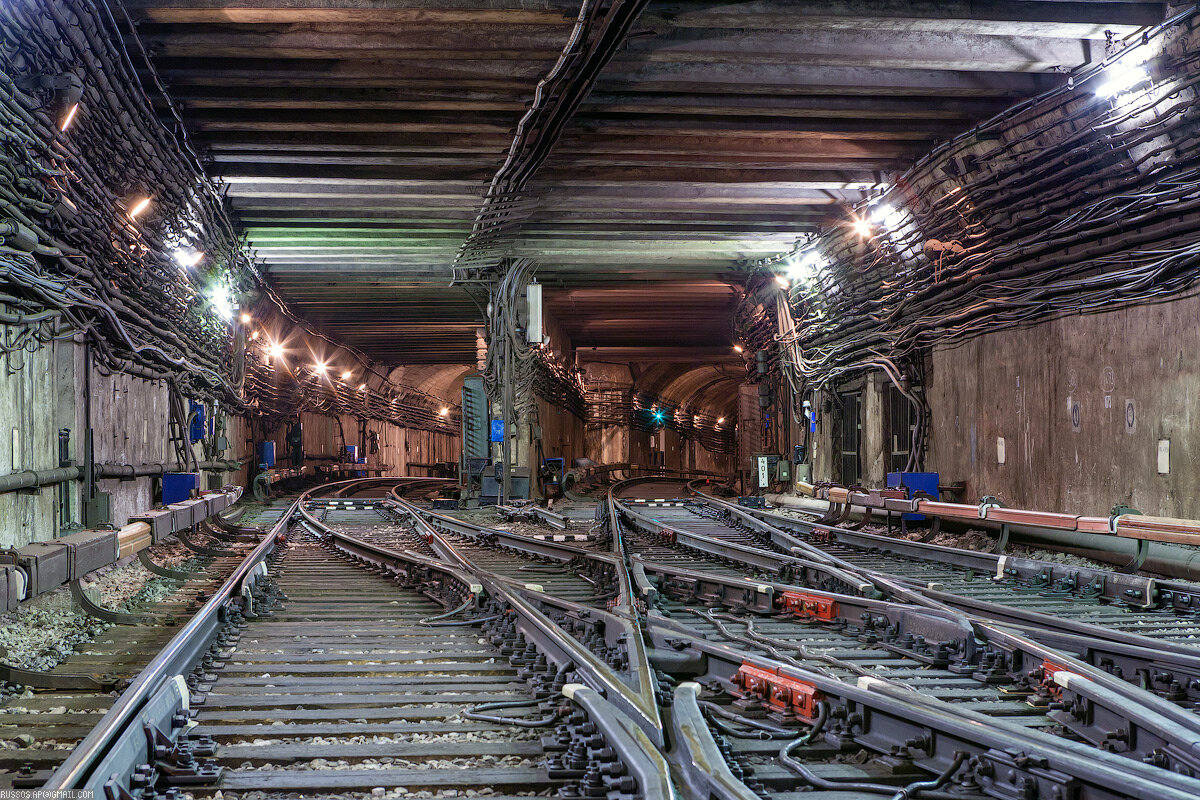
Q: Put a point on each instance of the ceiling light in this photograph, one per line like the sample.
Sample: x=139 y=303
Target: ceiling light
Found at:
x=862 y=227
x=70 y=116
x=782 y=281
x=275 y=350
x=188 y=258
x=737 y=348
x=320 y=367
x=720 y=420
x=444 y=411
x=346 y=375
x=218 y=295
x=246 y=318
x=138 y=207
x=1127 y=72
x=1121 y=80
x=362 y=387
x=253 y=335
x=803 y=267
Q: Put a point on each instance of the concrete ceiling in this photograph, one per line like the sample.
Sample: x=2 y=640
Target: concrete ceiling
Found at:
x=358 y=138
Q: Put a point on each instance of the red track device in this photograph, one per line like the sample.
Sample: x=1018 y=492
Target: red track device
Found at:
x=1049 y=669
x=809 y=606
x=784 y=695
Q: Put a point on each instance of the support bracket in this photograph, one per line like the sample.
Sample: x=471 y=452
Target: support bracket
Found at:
x=107 y=614
x=199 y=548
x=58 y=680
x=161 y=571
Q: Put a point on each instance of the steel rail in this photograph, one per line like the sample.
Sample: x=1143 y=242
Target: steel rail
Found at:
x=761 y=559
x=638 y=699
x=1140 y=658
x=876 y=715
x=1115 y=702
x=1174 y=728
x=178 y=656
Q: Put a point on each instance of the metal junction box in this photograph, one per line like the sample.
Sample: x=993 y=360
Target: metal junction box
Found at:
x=178 y=486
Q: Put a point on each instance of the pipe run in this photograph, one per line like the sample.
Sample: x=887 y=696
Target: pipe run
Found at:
x=1172 y=560
x=143 y=470
x=37 y=478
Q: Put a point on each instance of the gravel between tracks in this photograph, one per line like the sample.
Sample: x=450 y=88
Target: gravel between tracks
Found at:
x=44 y=631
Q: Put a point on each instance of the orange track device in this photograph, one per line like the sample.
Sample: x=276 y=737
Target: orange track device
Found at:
x=781 y=694
x=809 y=606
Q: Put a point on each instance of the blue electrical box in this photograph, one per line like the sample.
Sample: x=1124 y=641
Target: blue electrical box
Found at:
x=925 y=482
x=361 y=473
x=196 y=412
x=498 y=430
x=352 y=454
x=266 y=454
x=178 y=486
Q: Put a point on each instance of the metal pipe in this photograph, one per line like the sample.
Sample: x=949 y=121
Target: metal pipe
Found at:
x=1175 y=561
x=34 y=478
x=109 y=470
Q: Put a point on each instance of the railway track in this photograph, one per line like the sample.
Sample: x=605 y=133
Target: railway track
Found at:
x=383 y=649
x=346 y=687
x=59 y=707
x=1136 y=627
x=331 y=665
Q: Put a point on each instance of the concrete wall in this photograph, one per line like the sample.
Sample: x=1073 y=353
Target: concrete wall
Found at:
x=129 y=419
x=32 y=387
x=46 y=390
x=1056 y=394
x=400 y=449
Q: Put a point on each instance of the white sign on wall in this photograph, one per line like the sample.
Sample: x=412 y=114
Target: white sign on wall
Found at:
x=764 y=473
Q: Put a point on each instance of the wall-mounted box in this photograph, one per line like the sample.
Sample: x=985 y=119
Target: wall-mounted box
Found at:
x=178 y=486
x=98 y=510
x=266 y=454
x=926 y=482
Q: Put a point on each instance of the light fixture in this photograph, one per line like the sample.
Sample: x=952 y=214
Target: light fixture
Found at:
x=887 y=216
x=275 y=350
x=221 y=302
x=804 y=266
x=188 y=258
x=253 y=335
x=862 y=227
x=720 y=420
x=362 y=387
x=782 y=281
x=737 y=348
x=138 y=207
x=71 y=112
x=245 y=318
x=1126 y=73
x=444 y=411
x=346 y=375
x=320 y=367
